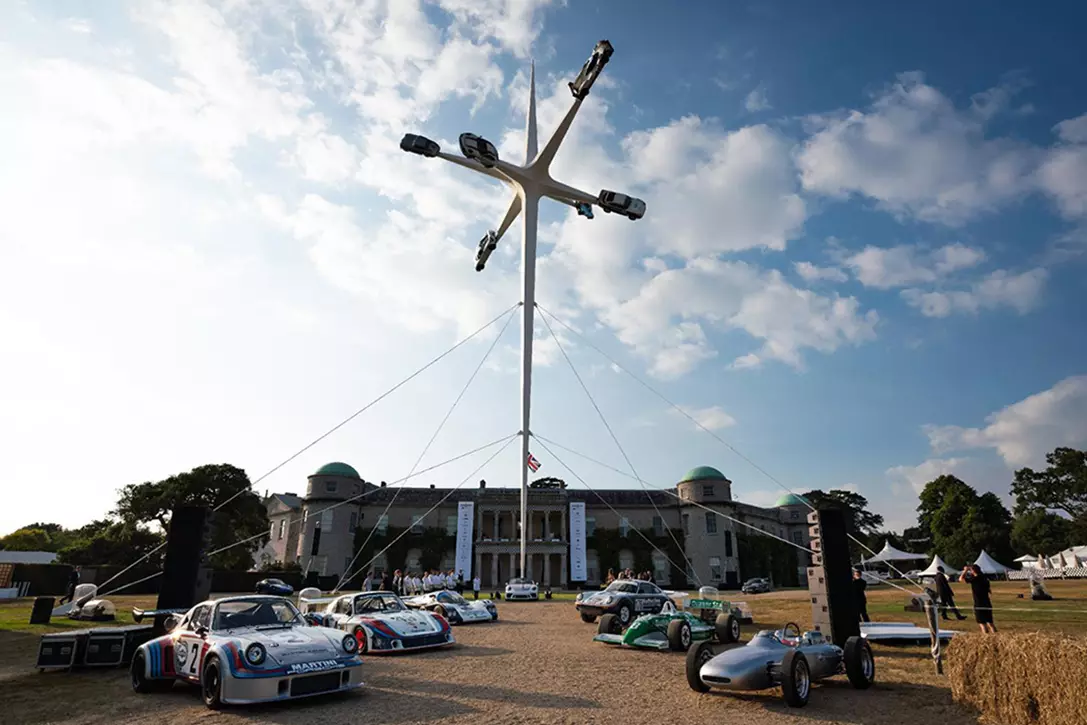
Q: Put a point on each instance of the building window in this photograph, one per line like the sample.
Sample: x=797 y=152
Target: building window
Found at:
x=590 y=525
x=781 y=532
x=658 y=526
x=728 y=544
x=685 y=522
x=707 y=490
x=330 y=486
x=798 y=537
x=624 y=528
x=715 y=569
x=347 y=566
x=711 y=522
x=416 y=523
x=353 y=523
x=451 y=525
x=794 y=515
x=626 y=559
x=273 y=531
x=383 y=525
x=662 y=572
x=305 y=515
x=282 y=527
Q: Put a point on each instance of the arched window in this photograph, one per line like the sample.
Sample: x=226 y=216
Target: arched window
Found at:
x=626 y=559
x=662 y=570
x=412 y=563
x=449 y=560
x=592 y=566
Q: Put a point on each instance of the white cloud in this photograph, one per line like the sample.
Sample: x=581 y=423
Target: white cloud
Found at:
x=1023 y=432
x=884 y=268
x=756 y=100
x=1063 y=174
x=915 y=154
x=917 y=476
x=513 y=23
x=812 y=273
x=713 y=417
x=1021 y=292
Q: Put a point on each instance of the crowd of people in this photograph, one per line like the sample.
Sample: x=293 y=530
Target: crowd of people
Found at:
x=411 y=583
x=627 y=574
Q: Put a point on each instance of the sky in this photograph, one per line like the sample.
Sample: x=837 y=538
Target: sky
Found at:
x=861 y=266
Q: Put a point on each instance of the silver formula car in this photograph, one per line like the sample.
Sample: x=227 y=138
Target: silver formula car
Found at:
x=246 y=649
x=454 y=607
x=786 y=658
x=382 y=623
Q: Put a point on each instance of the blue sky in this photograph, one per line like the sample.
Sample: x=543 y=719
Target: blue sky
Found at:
x=862 y=263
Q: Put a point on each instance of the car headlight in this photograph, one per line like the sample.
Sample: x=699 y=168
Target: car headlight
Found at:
x=350 y=645
x=254 y=653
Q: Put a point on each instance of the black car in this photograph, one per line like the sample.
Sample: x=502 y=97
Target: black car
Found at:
x=274 y=586
x=625 y=598
x=419 y=145
x=593 y=66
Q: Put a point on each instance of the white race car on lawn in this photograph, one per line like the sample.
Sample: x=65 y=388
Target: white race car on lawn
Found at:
x=522 y=589
x=454 y=607
x=381 y=622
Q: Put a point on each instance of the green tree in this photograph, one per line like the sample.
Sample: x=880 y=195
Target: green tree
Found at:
x=242 y=516
x=1041 y=532
x=109 y=542
x=29 y=540
x=961 y=523
x=1061 y=486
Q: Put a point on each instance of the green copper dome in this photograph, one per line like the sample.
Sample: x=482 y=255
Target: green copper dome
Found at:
x=791 y=499
x=337 y=469
x=703 y=473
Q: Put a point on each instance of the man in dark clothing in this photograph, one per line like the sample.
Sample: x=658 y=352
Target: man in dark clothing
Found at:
x=398 y=583
x=859 y=585
x=983 y=604
x=73 y=582
x=947 y=597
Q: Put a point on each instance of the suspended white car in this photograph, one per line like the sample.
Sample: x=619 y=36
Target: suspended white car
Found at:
x=591 y=70
x=478 y=148
x=486 y=245
x=628 y=206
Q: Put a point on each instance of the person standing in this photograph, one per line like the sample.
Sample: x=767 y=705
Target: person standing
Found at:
x=460 y=582
x=73 y=582
x=398 y=583
x=983 y=603
x=859 y=587
x=947 y=597
x=475 y=587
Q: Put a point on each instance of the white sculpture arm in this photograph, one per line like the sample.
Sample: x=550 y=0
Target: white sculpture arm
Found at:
x=511 y=215
x=546 y=156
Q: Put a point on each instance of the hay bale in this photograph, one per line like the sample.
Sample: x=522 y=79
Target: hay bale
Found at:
x=1021 y=679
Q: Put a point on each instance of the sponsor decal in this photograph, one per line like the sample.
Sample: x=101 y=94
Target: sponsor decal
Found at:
x=318 y=666
x=705 y=604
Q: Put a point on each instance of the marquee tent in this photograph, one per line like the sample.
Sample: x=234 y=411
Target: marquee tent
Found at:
x=989 y=565
x=890 y=553
x=932 y=568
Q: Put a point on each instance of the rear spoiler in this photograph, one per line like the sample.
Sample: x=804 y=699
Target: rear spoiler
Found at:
x=138 y=615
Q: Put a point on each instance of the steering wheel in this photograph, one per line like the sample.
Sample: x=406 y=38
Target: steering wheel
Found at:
x=785 y=630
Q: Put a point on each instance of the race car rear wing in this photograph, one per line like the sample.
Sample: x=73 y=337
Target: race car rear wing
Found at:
x=310 y=599
x=138 y=615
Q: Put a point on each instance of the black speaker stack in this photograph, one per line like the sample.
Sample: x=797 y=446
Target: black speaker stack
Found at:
x=830 y=577
x=186 y=576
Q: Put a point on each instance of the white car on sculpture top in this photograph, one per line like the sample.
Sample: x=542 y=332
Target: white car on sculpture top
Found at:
x=478 y=148
x=381 y=622
x=454 y=607
x=616 y=203
x=522 y=589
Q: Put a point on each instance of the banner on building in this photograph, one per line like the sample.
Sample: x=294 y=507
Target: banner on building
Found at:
x=577 y=541
x=465 y=519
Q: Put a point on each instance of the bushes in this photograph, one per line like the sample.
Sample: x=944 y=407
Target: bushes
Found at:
x=1021 y=679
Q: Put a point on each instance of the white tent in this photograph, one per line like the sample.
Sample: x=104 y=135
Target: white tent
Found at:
x=889 y=553
x=989 y=565
x=932 y=568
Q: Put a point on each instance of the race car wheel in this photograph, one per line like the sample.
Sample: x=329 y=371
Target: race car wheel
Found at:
x=625 y=613
x=211 y=684
x=362 y=638
x=609 y=624
x=696 y=657
x=860 y=665
x=587 y=618
x=795 y=678
x=727 y=628
x=140 y=682
x=679 y=635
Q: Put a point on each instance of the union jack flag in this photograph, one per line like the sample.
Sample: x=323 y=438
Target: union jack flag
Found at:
x=533 y=464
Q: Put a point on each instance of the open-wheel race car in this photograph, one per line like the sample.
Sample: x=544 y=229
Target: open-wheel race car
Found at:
x=380 y=622
x=246 y=649
x=787 y=658
x=454 y=607
x=670 y=629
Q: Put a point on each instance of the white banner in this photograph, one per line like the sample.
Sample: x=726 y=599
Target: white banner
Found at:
x=465 y=521
x=577 y=541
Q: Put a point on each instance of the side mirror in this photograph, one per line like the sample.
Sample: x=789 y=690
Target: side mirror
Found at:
x=171 y=622
x=201 y=631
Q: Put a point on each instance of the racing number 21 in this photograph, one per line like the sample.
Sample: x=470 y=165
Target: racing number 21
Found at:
x=193 y=657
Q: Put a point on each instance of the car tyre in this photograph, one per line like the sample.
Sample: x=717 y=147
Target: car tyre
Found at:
x=211 y=684
x=141 y=683
x=587 y=618
x=727 y=628
x=625 y=612
x=795 y=678
x=609 y=624
x=362 y=638
x=696 y=657
x=679 y=635
x=860 y=664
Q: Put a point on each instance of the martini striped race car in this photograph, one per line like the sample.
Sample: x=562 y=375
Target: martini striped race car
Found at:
x=381 y=622
x=246 y=649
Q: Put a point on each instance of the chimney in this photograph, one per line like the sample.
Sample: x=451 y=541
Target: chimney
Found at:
x=482 y=483
x=432 y=485
x=383 y=484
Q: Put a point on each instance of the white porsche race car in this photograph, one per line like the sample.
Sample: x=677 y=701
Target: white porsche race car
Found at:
x=522 y=589
x=381 y=622
x=454 y=607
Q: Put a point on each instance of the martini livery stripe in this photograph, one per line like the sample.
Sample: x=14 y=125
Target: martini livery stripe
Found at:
x=319 y=666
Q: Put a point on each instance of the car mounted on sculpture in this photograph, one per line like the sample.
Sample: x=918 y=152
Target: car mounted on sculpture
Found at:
x=486 y=245
x=758 y=585
x=454 y=607
x=581 y=85
x=277 y=587
x=671 y=629
x=615 y=203
x=772 y=659
x=525 y=589
x=625 y=598
x=382 y=623
x=421 y=145
x=246 y=649
x=479 y=149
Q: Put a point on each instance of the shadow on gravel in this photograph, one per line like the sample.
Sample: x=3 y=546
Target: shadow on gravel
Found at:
x=381 y=707
x=478 y=650
x=545 y=700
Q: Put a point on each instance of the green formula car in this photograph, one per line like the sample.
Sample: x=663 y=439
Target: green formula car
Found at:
x=673 y=629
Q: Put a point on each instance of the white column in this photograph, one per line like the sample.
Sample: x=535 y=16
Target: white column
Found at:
x=494 y=534
x=494 y=571
x=547 y=526
x=530 y=202
x=562 y=531
x=564 y=573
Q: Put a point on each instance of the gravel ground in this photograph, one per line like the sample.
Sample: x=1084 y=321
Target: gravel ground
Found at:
x=538 y=665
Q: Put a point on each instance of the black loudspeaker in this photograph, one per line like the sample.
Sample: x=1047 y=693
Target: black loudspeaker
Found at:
x=830 y=578
x=186 y=578
x=42 y=611
x=316 y=540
